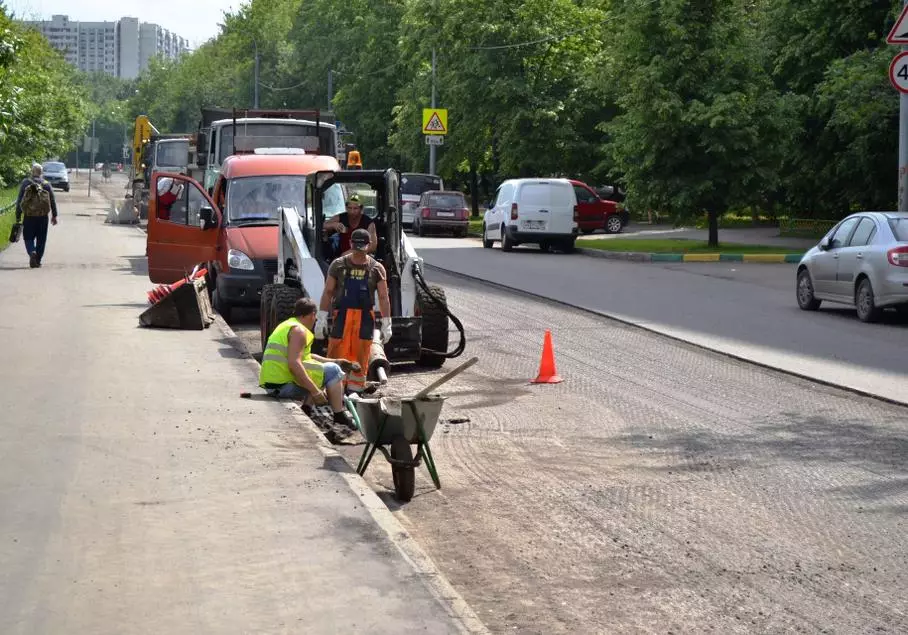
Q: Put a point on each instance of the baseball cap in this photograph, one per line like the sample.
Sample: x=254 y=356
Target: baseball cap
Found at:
x=360 y=239
x=354 y=198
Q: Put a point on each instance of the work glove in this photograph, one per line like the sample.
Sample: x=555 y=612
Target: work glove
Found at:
x=321 y=325
x=320 y=398
x=346 y=365
x=385 y=330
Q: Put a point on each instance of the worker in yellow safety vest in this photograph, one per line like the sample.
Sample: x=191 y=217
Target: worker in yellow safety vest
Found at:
x=291 y=371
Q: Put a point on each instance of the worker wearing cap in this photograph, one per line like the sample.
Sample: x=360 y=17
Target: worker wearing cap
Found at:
x=345 y=223
x=350 y=288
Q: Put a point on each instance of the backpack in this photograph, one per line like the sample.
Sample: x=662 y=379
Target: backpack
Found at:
x=36 y=200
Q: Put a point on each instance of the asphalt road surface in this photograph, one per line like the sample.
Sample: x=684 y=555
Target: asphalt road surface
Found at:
x=660 y=488
x=743 y=309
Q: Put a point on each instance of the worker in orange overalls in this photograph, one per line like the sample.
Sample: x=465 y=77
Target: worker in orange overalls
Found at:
x=350 y=288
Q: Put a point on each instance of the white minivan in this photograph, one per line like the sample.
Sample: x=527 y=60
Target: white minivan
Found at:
x=537 y=211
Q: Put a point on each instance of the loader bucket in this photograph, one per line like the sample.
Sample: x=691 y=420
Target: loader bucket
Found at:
x=186 y=306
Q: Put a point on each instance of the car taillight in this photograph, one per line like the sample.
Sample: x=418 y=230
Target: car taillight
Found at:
x=576 y=213
x=898 y=256
x=513 y=211
x=425 y=212
x=464 y=214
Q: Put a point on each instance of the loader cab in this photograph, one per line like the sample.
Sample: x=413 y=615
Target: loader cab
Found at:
x=239 y=245
x=379 y=191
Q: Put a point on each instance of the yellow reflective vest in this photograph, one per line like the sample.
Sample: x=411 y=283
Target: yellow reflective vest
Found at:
x=275 y=366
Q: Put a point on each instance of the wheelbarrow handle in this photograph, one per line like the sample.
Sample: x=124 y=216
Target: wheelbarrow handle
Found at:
x=446 y=378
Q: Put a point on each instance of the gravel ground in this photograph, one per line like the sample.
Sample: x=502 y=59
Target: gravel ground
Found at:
x=660 y=488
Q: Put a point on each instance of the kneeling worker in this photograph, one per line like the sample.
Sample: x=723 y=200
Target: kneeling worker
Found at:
x=350 y=287
x=291 y=370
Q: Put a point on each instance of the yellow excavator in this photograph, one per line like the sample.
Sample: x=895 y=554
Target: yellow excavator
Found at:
x=153 y=152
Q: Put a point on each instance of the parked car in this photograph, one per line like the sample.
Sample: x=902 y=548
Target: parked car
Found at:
x=442 y=211
x=595 y=212
x=412 y=187
x=862 y=262
x=56 y=174
x=536 y=211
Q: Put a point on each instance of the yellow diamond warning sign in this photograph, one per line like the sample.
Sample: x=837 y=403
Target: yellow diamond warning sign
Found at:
x=435 y=121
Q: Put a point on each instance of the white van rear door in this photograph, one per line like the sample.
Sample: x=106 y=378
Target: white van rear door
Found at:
x=546 y=206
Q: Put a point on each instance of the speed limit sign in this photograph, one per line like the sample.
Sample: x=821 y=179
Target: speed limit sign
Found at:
x=898 y=72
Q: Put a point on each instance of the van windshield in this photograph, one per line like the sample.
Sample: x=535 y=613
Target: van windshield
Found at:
x=417 y=184
x=260 y=198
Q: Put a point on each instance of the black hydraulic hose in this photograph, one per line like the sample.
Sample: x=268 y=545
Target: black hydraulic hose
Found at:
x=458 y=351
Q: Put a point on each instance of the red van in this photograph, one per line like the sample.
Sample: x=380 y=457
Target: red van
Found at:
x=234 y=231
x=594 y=212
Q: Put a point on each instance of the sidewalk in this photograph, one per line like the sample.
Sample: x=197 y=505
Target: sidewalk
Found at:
x=140 y=494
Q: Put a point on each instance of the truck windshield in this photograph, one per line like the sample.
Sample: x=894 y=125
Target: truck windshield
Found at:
x=276 y=135
x=416 y=184
x=260 y=198
x=172 y=154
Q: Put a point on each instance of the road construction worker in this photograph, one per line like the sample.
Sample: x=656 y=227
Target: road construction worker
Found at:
x=350 y=288
x=345 y=223
x=169 y=191
x=354 y=160
x=290 y=370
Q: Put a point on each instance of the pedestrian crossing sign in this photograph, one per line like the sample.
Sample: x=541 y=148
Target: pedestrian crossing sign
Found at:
x=435 y=121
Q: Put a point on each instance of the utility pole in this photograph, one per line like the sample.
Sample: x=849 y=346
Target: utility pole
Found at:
x=330 y=87
x=903 y=146
x=91 y=163
x=432 y=147
x=255 y=103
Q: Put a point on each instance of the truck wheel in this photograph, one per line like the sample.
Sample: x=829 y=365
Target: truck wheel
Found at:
x=222 y=307
x=434 y=327
x=282 y=300
x=265 y=325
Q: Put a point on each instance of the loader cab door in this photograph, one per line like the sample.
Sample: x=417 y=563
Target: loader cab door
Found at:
x=391 y=222
x=183 y=227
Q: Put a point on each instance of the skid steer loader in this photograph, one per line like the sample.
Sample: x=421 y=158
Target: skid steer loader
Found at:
x=419 y=311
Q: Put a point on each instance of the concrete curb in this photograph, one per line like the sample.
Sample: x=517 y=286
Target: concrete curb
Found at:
x=455 y=606
x=676 y=338
x=635 y=256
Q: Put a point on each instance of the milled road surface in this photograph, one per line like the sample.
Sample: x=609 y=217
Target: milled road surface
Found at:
x=660 y=488
x=743 y=309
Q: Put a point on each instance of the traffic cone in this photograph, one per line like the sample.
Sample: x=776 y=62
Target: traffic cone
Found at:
x=547 y=372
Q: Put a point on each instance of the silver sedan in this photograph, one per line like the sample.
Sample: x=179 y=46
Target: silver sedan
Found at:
x=862 y=262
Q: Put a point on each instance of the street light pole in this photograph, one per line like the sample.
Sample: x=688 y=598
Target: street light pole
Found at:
x=91 y=162
x=330 y=87
x=255 y=103
x=432 y=147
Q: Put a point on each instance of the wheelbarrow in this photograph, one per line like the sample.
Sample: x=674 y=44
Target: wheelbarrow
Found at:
x=394 y=425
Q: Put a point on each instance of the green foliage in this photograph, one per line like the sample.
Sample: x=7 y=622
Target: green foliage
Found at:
x=42 y=108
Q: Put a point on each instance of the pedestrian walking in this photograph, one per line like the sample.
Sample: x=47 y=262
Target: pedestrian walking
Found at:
x=35 y=201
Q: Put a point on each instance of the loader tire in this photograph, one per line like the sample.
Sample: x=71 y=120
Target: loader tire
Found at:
x=282 y=300
x=434 y=327
x=265 y=325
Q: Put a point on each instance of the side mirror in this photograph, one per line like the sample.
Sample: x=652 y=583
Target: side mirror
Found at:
x=826 y=243
x=206 y=218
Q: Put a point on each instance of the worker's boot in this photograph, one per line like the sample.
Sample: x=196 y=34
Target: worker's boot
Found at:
x=343 y=418
x=33 y=259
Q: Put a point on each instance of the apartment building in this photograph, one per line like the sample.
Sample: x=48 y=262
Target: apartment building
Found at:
x=122 y=48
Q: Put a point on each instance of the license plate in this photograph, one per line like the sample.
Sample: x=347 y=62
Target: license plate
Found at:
x=445 y=214
x=534 y=224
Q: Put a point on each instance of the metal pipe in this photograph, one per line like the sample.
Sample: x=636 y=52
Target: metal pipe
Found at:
x=432 y=147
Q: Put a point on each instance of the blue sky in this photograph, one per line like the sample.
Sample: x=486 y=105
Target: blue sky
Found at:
x=196 y=20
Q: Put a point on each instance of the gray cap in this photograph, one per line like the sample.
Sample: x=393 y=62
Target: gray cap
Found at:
x=360 y=239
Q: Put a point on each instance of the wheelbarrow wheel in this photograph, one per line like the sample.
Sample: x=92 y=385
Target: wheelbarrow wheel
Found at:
x=404 y=477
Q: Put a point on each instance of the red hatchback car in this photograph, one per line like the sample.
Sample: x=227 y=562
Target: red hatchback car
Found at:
x=595 y=213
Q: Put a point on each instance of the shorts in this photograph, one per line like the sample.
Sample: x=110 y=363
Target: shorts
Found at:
x=332 y=374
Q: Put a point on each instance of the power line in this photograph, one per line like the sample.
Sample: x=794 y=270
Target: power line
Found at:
x=282 y=88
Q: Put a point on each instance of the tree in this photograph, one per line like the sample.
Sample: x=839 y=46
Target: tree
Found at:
x=700 y=126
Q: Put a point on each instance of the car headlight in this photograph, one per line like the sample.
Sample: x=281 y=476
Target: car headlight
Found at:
x=236 y=259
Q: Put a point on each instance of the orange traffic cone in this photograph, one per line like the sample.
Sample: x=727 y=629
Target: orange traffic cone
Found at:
x=547 y=372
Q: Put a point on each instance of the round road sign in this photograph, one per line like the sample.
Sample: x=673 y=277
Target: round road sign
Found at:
x=898 y=72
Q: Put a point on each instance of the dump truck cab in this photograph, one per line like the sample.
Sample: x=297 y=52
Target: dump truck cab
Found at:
x=234 y=230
